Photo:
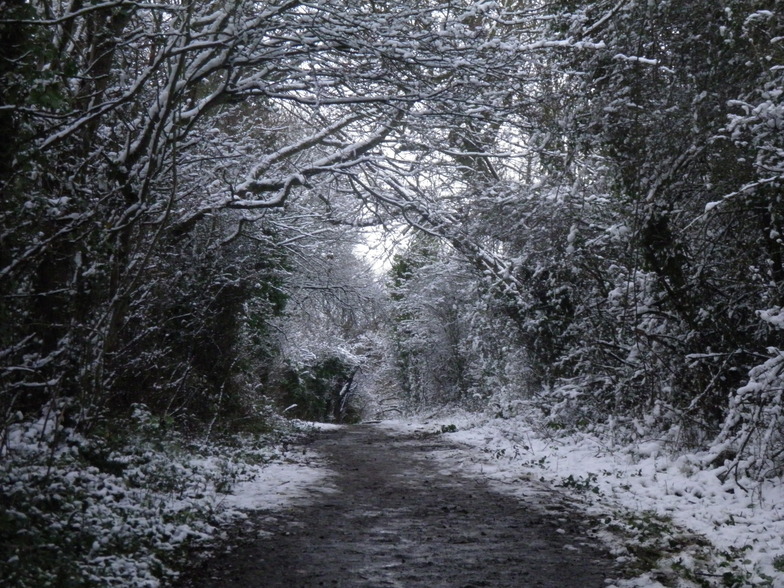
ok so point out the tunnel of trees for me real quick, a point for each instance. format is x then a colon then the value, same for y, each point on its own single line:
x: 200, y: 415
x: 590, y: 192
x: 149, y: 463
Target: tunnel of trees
x: 586, y: 199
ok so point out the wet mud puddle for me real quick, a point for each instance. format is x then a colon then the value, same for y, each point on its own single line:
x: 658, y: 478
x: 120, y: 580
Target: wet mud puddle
x: 395, y: 518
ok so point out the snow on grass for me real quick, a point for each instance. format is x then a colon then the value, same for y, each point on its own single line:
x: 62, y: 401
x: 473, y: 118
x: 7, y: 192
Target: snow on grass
x: 123, y: 509
x: 281, y: 485
x: 671, y: 513
x: 317, y: 426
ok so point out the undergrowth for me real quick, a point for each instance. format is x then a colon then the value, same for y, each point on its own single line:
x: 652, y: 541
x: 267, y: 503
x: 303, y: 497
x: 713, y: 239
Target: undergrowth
x: 119, y: 508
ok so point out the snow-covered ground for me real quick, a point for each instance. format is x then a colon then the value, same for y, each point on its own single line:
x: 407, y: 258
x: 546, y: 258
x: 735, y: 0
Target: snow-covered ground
x: 295, y: 479
x: 125, y: 514
x: 671, y: 511
x: 674, y: 511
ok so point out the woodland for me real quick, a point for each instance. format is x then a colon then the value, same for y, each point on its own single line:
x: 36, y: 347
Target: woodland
x: 217, y: 212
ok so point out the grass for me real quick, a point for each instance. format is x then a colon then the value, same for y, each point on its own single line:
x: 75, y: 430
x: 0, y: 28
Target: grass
x: 120, y: 508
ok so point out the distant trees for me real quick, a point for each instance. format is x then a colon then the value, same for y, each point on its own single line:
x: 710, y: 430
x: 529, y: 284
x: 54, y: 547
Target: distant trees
x: 454, y: 343
x: 328, y: 342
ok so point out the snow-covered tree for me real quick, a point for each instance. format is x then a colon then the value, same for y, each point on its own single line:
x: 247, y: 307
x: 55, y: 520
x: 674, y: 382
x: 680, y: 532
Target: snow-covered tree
x: 144, y: 134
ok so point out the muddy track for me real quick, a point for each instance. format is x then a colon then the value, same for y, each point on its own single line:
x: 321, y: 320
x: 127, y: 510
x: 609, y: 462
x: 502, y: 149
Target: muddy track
x: 396, y: 519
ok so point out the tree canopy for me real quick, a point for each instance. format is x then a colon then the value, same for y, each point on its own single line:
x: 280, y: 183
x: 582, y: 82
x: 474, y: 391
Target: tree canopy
x: 593, y: 190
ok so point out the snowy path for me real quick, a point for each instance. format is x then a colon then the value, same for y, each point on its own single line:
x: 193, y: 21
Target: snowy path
x: 395, y: 518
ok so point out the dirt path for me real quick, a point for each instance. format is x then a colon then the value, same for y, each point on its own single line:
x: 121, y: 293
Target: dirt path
x: 395, y: 520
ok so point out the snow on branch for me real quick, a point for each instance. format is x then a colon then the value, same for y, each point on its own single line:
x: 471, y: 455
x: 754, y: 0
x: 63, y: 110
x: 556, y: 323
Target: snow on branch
x: 243, y: 196
x: 643, y: 61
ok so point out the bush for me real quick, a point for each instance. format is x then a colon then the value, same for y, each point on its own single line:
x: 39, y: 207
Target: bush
x: 116, y: 509
x: 320, y: 392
